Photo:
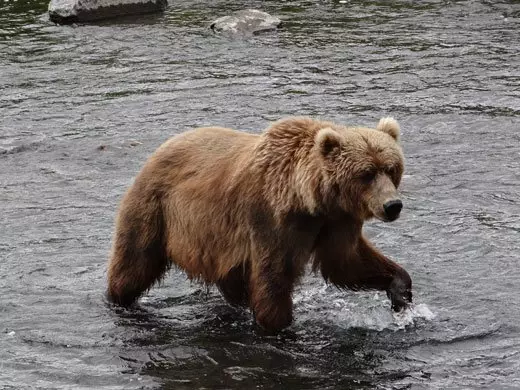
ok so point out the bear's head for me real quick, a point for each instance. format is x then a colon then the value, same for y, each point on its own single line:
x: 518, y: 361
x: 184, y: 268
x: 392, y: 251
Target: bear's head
x: 361, y: 169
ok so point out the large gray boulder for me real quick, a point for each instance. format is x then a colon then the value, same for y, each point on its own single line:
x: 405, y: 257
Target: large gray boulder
x: 73, y: 11
x: 249, y: 21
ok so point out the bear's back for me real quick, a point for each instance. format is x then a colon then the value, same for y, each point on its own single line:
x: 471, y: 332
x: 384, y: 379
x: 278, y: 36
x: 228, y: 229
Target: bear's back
x: 208, y: 142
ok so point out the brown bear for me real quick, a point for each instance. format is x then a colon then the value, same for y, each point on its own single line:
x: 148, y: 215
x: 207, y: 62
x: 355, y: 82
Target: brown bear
x: 248, y: 212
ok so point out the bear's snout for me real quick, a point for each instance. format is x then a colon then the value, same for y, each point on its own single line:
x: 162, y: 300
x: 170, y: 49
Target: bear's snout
x: 393, y: 209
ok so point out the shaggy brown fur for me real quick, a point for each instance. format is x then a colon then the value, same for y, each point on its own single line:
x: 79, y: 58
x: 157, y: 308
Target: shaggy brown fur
x: 247, y: 213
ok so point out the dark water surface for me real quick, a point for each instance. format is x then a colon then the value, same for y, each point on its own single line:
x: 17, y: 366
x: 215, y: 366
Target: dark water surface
x: 82, y: 107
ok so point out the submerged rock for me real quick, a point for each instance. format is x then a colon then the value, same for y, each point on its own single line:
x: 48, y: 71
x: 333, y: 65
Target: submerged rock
x: 249, y: 21
x: 72, y: 11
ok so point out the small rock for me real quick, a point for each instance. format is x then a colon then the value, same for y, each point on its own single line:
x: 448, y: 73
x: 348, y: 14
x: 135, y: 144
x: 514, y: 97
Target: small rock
x: 73, y: 11
x: 249, y: 21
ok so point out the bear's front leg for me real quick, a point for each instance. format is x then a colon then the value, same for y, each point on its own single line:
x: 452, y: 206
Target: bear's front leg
x: 386, y: 275
x: 400, y: 290
x: 270, y: 292
x: 272, y: 312
x: 349, y: 261
x: 233, y: 286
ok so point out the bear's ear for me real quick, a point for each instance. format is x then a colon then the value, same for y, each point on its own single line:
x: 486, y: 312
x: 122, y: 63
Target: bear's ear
x: 389, y: 126
x: 328, y: 142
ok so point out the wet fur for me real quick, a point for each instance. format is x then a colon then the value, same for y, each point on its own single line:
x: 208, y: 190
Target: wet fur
x: 248, y: 212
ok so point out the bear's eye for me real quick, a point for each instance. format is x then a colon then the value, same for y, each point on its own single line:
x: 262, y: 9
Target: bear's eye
x: 390, y: 171
x: 368, y: 176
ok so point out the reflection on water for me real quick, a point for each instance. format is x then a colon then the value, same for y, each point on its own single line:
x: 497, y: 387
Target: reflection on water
x: 83, y: 106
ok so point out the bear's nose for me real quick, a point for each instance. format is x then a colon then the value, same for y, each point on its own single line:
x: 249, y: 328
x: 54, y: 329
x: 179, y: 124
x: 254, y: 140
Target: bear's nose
x: 393, y: 209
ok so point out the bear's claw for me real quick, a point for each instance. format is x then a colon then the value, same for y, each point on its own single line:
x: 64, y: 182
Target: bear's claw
x: 400, y: 293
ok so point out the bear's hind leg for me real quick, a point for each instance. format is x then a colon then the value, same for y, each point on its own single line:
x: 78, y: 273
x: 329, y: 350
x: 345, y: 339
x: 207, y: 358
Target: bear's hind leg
x: 133, y: 271
x: 138, y: 257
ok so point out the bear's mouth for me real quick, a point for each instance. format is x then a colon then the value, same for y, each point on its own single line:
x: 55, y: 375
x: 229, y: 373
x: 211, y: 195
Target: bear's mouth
x: 388, y: 219
x: 383, y: 217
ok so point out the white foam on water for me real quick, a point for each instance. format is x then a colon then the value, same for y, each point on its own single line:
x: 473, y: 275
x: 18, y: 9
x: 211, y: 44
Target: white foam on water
x: 359, y: 310
x: 411, y: 314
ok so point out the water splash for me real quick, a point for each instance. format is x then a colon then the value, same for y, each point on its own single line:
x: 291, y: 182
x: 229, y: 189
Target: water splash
x: 345, y: 309
x: 410, y: 315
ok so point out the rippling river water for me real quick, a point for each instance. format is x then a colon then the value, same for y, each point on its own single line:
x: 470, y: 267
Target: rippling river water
x: 81, y: 107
